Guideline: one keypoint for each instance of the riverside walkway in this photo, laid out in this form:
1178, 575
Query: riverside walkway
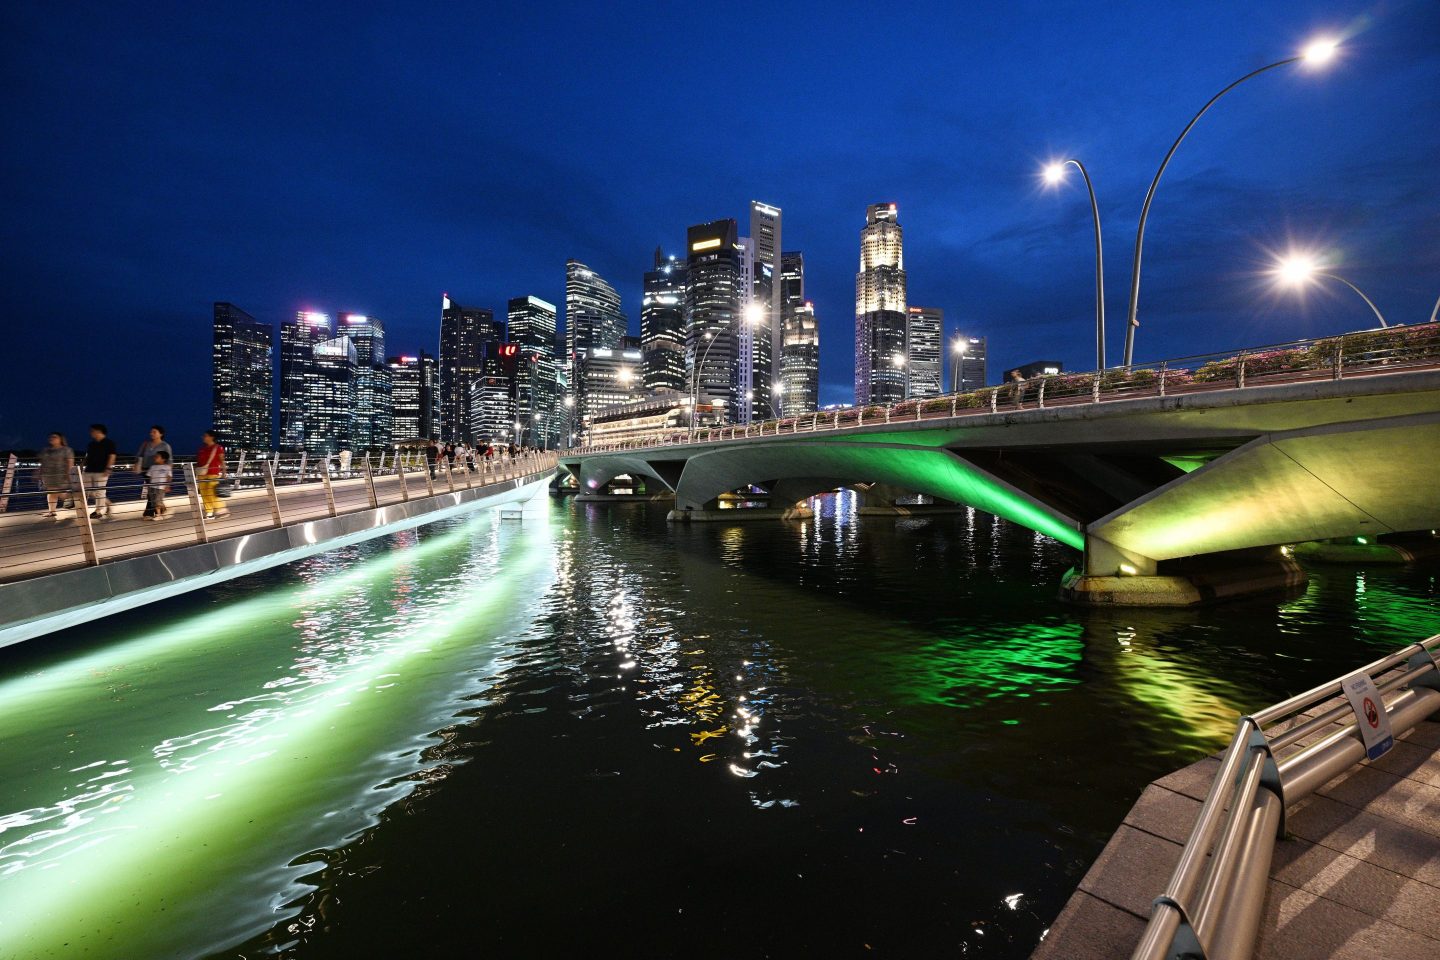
56, 573
1355, 872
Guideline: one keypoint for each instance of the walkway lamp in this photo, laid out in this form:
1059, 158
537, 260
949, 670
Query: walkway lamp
956, 364
779, 391
1316, 54
1298, 269
1054, 173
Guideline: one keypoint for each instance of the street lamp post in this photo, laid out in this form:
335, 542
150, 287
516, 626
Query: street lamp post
1317, 53
956, 365
1054, 173
779, 391
1298, 269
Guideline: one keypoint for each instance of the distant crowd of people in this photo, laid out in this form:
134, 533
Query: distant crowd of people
153, 462
462, 456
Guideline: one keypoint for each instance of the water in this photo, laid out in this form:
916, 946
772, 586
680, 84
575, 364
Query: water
592, 731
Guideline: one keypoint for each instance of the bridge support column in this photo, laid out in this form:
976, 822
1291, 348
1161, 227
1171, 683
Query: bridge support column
1114, 577
883, 500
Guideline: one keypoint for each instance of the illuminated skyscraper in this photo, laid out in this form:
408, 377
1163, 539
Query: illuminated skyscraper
800, 362
373, 421
494, 417
967, 364
747, 326
713, 288
537, 388
593, 317
330, 397
880, 309
609, 377
765, 327
298, 339
242, 379
415, 395
464, 334
662, 326
923, 366
792, 281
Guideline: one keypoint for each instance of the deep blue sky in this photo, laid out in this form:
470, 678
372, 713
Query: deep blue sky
368, 157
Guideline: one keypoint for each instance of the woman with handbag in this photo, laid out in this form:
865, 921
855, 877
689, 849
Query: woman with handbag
209, 468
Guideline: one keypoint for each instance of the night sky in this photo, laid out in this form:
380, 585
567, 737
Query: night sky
369, 157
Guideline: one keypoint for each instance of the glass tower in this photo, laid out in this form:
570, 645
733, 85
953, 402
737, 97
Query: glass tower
967, 364
662, 326
800, 362
765, 328
593, 317
414, 395
330, 397
923, 363
242, 379
537, 388
464, 333
880, 309
374, 412
298, 339
713, 299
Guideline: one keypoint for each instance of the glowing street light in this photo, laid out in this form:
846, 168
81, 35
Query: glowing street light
1317, 53
1054, 173
754, 314
1299, 269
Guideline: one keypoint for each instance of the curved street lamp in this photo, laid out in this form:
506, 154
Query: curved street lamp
1318, 52
1298, 269
1054, 173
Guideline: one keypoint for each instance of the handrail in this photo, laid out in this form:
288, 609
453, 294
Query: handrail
1247, 801
1358, 353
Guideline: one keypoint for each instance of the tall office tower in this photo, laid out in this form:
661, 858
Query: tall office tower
494, 417
464, 332
880, 309
967, 364
767, 327
593, 317
608, 377
800, 362
537, 387
242, 379
747, 347
713, 285
662, 326
924, 364
414, 395
374, 419
330, 397
792, 281
298, 339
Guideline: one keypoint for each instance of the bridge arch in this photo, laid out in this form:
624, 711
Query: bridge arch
595, 472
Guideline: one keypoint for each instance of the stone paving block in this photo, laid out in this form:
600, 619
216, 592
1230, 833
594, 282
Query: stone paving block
1370, 889
1411, 761
1090, 929
1425, 734
1164, 813
1298, 925
1192, 781
1389, 796
1385, 843
1132, 870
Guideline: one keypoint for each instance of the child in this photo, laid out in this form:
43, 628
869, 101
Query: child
158, 477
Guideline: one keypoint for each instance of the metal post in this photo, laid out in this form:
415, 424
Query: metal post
860, 418
329, 490
274, 497
887, 414
1339, 371
240, 469
836, 424
404, 487
370, 483
300, 476
954, 400
197, 506
995, 400
11, 465
449, 476
1165, 364
1095, 389
430, 476
1240, 371
87, 529
1041, 396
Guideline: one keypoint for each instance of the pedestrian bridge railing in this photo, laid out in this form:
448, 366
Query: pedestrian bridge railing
260, 492
1386, 350
1214, 901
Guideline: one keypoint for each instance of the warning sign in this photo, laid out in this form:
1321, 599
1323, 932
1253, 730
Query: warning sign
1370, 715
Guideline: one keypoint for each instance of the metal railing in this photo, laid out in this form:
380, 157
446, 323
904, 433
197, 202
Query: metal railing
255, 493
1212, 906
1363, 353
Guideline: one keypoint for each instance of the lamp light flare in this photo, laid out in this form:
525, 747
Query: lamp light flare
754, 313
1296, 268
1053, 173
1321, 51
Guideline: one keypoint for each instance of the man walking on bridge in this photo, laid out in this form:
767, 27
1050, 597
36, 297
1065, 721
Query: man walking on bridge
99, 461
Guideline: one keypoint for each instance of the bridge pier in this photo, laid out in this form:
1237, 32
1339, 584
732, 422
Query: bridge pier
883, 500
1111, 577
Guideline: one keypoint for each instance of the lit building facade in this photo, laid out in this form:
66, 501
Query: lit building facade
464, 334
242, 379
713, 298
609, 377
593, 318
662, 325
923, 361
800, 362
373, 423
414, 397
537, 377
967, 364
298, 339
765, 328
330, 398
660, 416
881, 317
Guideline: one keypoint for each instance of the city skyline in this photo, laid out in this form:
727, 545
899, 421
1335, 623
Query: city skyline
1002, 256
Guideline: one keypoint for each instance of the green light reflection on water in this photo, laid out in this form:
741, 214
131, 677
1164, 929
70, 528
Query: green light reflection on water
967, 670
117, 879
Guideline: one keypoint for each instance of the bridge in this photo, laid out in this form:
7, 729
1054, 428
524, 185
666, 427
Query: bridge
56, 574
1179, 481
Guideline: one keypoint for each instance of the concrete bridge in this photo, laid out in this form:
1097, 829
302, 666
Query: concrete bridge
1178, 482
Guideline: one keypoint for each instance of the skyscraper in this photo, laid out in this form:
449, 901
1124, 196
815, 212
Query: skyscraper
537, 388
593, 317
880, 308
662, 326
493, 414
373, 421
766, 328
414, 395
800, 362
298, 339
464, 332
792, 281
329, 416
713, 287
242, 379
747, 325
967, 364
609, 377
923, 361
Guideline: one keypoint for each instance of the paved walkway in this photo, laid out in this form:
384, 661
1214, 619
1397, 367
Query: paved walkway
1357, 876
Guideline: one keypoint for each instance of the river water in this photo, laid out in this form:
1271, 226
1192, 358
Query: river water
593, 732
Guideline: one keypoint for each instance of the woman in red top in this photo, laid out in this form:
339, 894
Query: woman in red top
209, 468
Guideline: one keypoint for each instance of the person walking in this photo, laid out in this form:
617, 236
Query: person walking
432, 454
57, 461
145, 457
157, 477
209, 468
99, 461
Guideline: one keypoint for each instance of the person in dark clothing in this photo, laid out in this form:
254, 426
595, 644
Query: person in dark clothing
145, 458
99, 461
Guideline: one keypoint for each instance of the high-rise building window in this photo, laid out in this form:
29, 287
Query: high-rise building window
373, 421
242, 379
967, 364
923, 360
593, 317
800, 363
465, 333
880, 309
298, 339
662, 325
713, 300
537, 376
